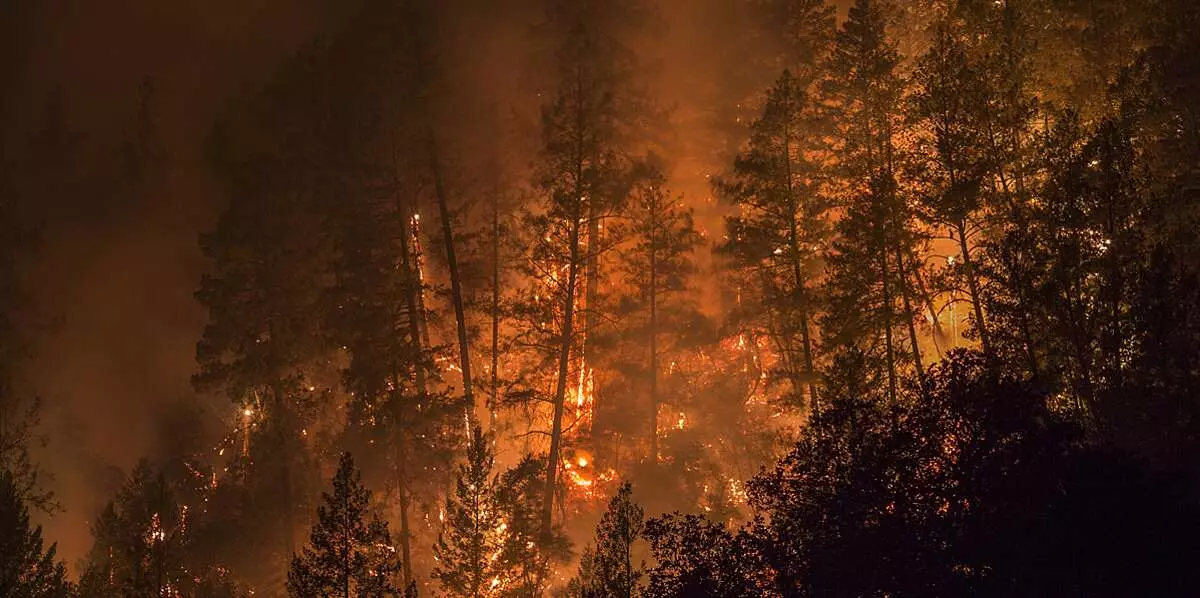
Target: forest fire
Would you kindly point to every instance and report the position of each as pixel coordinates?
(664, 298)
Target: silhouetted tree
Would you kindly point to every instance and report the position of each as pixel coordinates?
(350, 552)
(527, 558)
(780, 234)
(141, 540)
(470, 542)
(873, 256)
(658, 267)
(27, 570)
(697, 557)
(608, 570)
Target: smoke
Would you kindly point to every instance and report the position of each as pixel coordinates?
(118, 261)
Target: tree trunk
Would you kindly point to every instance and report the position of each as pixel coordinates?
(564, 362)
(973, 287)
(402, 491)
(592, 289)
(653, 329)
(910, 317)
(411, 285)
(797, 269)
(464, 351)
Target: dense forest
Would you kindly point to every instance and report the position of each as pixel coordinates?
(483, 322)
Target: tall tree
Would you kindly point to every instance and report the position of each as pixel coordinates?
(350, 552)
(581, 180)
(27, 570)
(608, 571)
(468, 548)
(780, 233)
(270, 259)
(658, 265)
(949, 104)
(872, 259)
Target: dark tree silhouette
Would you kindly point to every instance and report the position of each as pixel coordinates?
(27, 570)
(607, 569)
(472, 536)
(350, 552)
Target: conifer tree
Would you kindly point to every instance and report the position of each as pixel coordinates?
(372, 312)
(526, 556)
(26, 569)
(658, 266)
(269, 254)
(471, 538)
(582, 180)
(608, 570)
(949, 105)
(141, 540)
(779, 235)
(871, 266)
(350, 552)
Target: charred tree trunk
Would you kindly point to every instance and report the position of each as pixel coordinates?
(968, 265)
(797, 269)
(653, 330)
(564, 362)
(910, 317)
(411, 299)
(456, 294)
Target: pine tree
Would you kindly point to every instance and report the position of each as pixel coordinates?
(140, 540)
(780, 233)
(373, 313)
(658, 267)
(582, 180)
(873, 259)
(26, 570)
(350, 552)
(269, 254)
(608, 571)
(950, 105)
(527, 557)
(1005, 33)
(471, 538)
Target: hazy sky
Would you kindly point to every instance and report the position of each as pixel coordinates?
(116, 271)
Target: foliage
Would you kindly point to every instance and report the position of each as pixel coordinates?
(474, 529)
(350, 551)
(26, 569)
(607, 570)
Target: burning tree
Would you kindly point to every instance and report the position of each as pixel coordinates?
(582, 180)
(350, 552)
(146, 540)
